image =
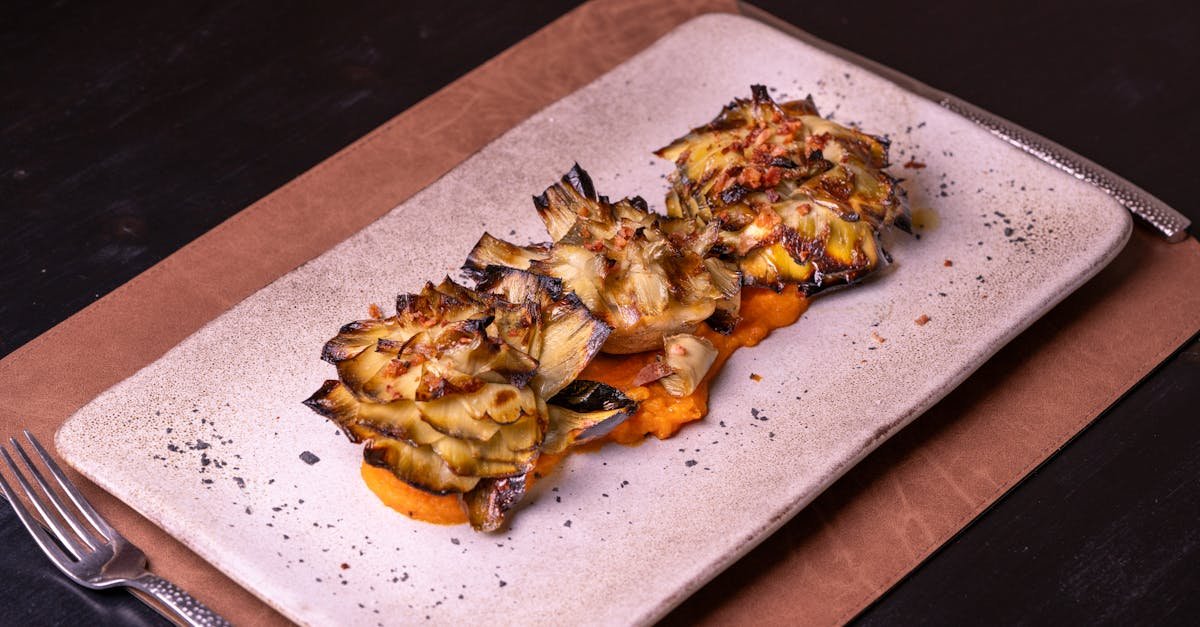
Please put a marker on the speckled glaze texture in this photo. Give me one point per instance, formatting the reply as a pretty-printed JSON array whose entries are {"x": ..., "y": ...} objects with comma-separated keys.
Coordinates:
[{"x": 212, "y": 443}]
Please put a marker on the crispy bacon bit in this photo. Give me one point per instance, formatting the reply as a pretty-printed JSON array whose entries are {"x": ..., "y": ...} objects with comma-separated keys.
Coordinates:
[
  {"x": 913, "y": 164},
  {"x": 396, "y": 367},
  {"x": 755, "y": 377},
  {"x": 750, "y": 177},
  {"x": 773, "y": 176},
  {"x": 922, "y": 320},
  {"x": 947, "y": 263},
  {"x": 816, "y": 142},
  {"x": 375, "y": 312},
  {"x": 650, "y": 373},
  {"x": 877, "y": 337}
]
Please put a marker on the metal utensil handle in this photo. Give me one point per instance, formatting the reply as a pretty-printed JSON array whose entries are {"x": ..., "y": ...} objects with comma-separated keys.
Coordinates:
[
  {"x": 1172, "y": 224},
  {"x": 179, "y": 606}
]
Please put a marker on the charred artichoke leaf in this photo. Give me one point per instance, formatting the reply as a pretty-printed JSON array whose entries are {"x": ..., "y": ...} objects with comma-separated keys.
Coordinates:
[
  {"x": 444, "y": 340},
  {"x": 361, "y": 421},
  {"x": 801, "y": 198},
  {"x": 353, "y": 339},
  {"x": 495, "y": 403},
  {"x": 418, "y": 466},
  {"x": 517, "y": 285},
  {"x": 493, "y": 251},
  {"x": 752, "y": 144},
  {"x": 421, "y": 423},
  {"x": 728, "y": 279},
  {"x": 581, "y": 271},
  {"x": 643, "y": 274},
  {"x": 773, "y": 267},
  {"x": 473, "y": 459},
  {"x": 689, "y": 357},
  {"x": 489, "y": 503},
  {"x": 439, "y": 391},
  {"x": 468, "y": 446},
  {"x": 561, "y": 205},
  {"x": 337, "y": 403},
  {"x": 584, "y": 411},
  {"x": 571, "y": 337},
  {"x": 810, "y": 244}
]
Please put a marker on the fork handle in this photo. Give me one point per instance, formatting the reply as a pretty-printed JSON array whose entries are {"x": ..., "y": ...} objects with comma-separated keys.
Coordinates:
[{"x": 176, "y": 605}]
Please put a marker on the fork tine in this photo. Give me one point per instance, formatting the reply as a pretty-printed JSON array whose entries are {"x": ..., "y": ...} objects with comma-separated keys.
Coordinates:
[
  {"x": 73, "y": 493},
  {"x": 56, "y": 555},
  {"x": 60, "y": 534},
  {"x": 72, "y": 519}
]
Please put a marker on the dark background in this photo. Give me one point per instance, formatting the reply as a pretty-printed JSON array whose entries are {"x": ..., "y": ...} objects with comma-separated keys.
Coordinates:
[{"x": 129, "y": 129}]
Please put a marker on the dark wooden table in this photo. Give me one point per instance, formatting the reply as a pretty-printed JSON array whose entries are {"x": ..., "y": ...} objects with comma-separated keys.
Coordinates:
[{"x": 127, "y": 131}]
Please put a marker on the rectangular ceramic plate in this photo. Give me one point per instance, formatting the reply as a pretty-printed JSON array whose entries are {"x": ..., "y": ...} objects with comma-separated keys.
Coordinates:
[{"x": 208, "y": 440}]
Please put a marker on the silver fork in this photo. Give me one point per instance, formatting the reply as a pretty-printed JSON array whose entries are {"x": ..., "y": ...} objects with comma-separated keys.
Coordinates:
[{"x": 97, "y": 557}]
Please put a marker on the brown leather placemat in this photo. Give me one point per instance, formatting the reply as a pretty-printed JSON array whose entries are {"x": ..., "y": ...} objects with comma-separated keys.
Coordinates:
[{"x": 859, "y": 538}]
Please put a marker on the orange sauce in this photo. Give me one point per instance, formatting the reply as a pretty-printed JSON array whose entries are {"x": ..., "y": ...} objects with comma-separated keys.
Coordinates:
[
  {"x": 659, "y": 414},
  {"x": 414, "y": 502},
  {"x": 662, "y": 415},
  {"x": 447, "y": 509}
]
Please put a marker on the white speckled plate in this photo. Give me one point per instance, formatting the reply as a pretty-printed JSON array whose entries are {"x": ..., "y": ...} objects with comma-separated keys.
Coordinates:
[{"x": 212, "y": 443}]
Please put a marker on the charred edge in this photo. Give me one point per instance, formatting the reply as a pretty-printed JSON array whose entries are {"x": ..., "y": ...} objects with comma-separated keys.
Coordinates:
[
  {"x": 356, "y": 326},
  {"x": 317, "y": 402},
  {"x": 470, "y": 267},
  {"x": 492, "y": 275},
  {"x": 473, "y": 270},
  {"x": 377, "y": 457},
  {"x": 639, "y": 203},
  {"x": 320, "y": 404},
  {"x": 734, "y": 193},
  {"x": 521, "y": 379},
  {"x": 812, "y": 103},
  {"x": 406, "y": 302},
  {"x": 578, "y": 179},
  {"x": 722, "y": 321},
  {"x": 800, "y": 248},
  {"x": 542, "y": 201},
  {"x": 333, "y": 352},
  {"x": 385, "y": 345},
  {"x": 832, "y": 283},
  {"x": 585, "y": 396},
  {"x": 903, "y": 222},
  {"x": 489, "y": 503},
  {"x": 784, "y": 162},
  {"x": 602, "y": 329},
  {"x": 475, "y": 325},
  {"x": 761, "y": 95}
]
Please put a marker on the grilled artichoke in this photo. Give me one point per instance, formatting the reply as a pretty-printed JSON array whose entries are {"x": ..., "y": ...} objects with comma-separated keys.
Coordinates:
[
  {"x": 450, "y": 394},
  {"x": 800, "y": 199},
  {"x": 644, "y": 274}
]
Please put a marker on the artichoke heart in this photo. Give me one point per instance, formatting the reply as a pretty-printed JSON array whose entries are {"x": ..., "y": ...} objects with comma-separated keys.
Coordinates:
[
  {"x": 799, "y": 198},
  {"x": 688, "y": 357},
  {"x": 644, "y": 274},
  {"x": 585, "y": 411},
  {"x": 450, "y": 393}
]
